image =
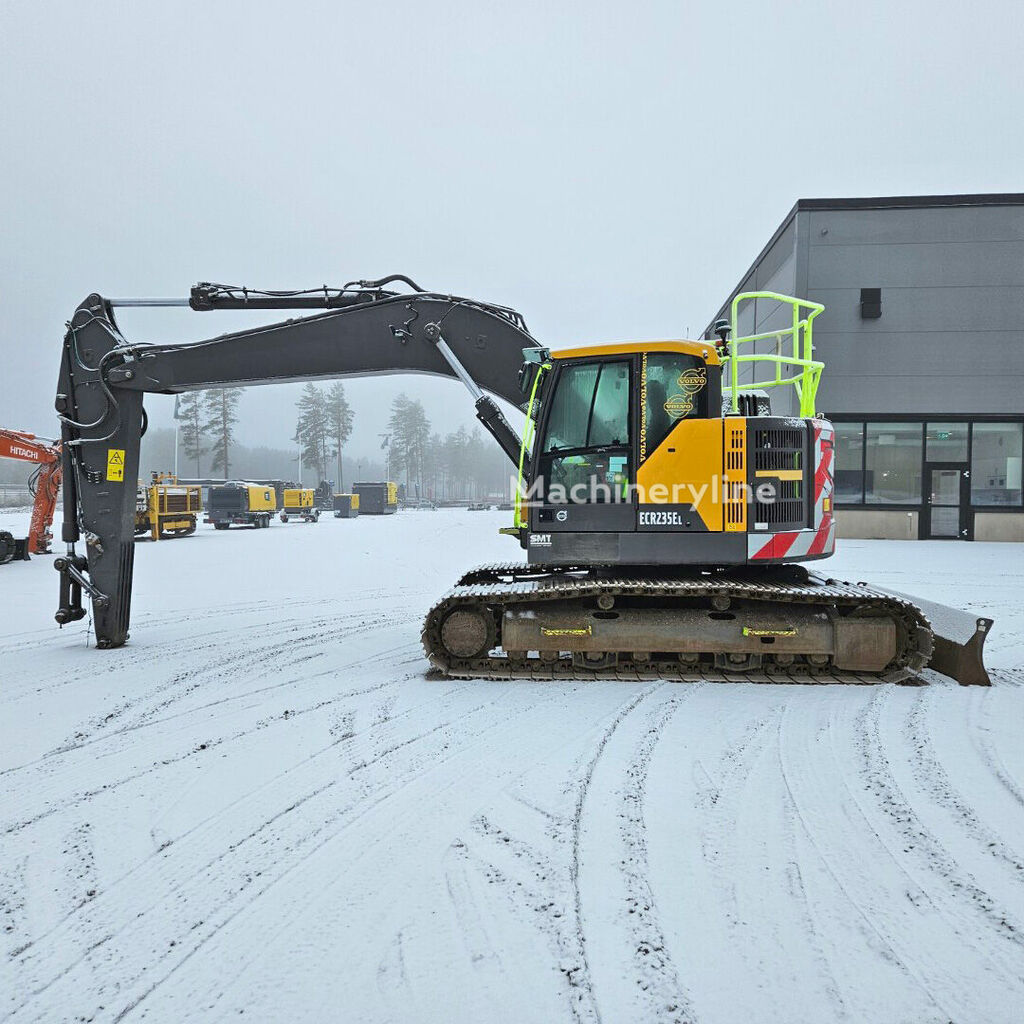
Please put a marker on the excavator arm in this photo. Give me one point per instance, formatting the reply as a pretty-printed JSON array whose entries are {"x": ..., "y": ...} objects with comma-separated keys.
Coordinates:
[{"x": 365, "y": 329}]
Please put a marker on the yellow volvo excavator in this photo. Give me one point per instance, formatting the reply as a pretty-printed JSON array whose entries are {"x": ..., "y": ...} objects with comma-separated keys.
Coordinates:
[{"x": 664, "y": 511}]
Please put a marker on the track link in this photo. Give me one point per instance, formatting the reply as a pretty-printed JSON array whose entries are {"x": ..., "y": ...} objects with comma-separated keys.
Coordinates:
[{"x": 499, "y": 586}]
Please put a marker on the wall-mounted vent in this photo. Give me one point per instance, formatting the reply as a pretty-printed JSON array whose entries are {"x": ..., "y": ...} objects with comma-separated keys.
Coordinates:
[{"x": 870, "y": 303}]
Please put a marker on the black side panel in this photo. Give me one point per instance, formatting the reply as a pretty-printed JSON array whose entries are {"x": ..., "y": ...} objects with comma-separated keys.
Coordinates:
[{"x": 637, "y": 548}]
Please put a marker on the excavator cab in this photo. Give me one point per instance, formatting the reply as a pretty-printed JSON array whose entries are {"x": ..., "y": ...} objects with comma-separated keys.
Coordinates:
[{"x": 636, "y": 458}]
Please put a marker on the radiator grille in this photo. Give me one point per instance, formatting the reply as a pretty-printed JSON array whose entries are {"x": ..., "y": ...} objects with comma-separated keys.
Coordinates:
[
  {"x": 779, "y": 455},
  {"x": 779, "y": 448},
  {"x": 734, "y": 484}
]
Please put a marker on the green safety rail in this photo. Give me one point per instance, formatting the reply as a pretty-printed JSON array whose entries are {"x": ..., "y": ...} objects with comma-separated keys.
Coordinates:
[
  {"x": 805, "y": 381},
  {"x": 529, "y": 428}
]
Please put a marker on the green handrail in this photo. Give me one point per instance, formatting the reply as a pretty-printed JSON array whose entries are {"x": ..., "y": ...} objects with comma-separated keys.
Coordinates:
[
  {"x": 529, "y": 427},
  {"x": 805, "y": 382}
]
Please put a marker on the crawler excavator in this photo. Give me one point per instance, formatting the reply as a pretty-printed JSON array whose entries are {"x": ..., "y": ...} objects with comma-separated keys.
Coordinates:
[
  {"x": 664, "y": 511},
  {"x": 44, "y": 484}
]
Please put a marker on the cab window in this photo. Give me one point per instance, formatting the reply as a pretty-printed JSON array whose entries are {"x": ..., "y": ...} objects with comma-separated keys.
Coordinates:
[
  {"x": 674, "y": 388},
  {"x": 587, "y": 438},
  {"x": 590, "y": 407}
]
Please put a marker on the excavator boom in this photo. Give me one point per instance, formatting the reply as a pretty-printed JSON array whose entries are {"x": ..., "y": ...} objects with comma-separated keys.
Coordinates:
[{"x": 365, "y": 330}]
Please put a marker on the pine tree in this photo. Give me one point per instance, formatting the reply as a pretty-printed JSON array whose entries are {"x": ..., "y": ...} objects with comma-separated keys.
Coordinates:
[
  {"x": 193, "y": 429},
  {"x": 396, "y": 426},
  {"x": 410, "y": 434},
  {"x": 221, "y": 408},
  {"x": 311, "y": 430},
  {"x": 339, "y": 423}
]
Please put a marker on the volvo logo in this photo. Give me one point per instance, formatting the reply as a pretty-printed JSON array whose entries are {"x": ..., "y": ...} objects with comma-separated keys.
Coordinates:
[{"x": 562, "y": 515}]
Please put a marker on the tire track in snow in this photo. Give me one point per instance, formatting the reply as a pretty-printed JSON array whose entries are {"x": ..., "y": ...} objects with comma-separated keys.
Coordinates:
[
  {"x": 868, "y": 923},
  {"x": 446, "y": 760},
  {"x": 137, "y": 664},
  {"x": 981, "y": 738},
  {"x": 663, "y": 995},
  {"x": 577, "y": 968},
  {"x": 216, "y": 887},
  {"x": 814, "y": 931},
  {"x": 933, "y": 779},
  {"x": 338, "y": 736},
  {"x": 927, "y": 847},
  {"x": 752, "y": 863},
  {"x": 28, "y": 785}
]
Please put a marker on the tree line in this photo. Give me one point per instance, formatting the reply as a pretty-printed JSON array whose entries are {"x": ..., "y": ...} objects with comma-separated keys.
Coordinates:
[
  {"x": 208, "y": 420},
  {"x": 461, "y": 465}
]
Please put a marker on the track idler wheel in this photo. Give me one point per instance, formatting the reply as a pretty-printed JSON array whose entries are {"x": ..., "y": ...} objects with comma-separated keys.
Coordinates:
[{"x": 468, "y": 632}]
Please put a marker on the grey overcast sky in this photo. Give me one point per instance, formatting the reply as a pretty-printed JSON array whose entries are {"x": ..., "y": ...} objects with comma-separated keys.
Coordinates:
[{"x": 610, "y": 169}]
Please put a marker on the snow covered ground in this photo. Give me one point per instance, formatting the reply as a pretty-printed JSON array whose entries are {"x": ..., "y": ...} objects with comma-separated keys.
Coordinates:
[{"x": 263, "y": 806}]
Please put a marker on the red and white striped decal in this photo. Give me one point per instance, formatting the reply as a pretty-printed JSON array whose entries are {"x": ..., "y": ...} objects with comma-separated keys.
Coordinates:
[{"x": 821, "y": 540}]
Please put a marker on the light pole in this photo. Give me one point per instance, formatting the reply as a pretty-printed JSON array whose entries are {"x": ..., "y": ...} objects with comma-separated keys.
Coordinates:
[{"x": 386, "y": 445}]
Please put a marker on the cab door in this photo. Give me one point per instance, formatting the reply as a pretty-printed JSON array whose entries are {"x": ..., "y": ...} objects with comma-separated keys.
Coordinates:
[
  {"x": 680, "y": 450},
  {"x": 586, "y": 460}
]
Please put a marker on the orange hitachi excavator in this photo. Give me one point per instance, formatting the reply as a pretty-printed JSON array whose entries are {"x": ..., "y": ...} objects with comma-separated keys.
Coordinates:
[{"x": 44, "y": 484}]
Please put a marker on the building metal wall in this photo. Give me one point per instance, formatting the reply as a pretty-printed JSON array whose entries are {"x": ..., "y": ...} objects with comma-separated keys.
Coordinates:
[
  {"x": 950, "y": 338},
  {"x": 951, "y": 334}
]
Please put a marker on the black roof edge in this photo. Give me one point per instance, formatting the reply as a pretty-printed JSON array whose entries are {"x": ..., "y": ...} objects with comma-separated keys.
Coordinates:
[
  {"x": 910, "y": 202},
  {"x": 872, "y": 203}
]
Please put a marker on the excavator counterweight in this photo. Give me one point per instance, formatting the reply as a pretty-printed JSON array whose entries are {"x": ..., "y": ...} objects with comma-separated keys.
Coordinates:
[{"x": 663, "y": 509}]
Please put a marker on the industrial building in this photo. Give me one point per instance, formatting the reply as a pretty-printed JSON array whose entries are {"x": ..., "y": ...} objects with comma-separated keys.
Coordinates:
[{"x": 923, "y": 343}]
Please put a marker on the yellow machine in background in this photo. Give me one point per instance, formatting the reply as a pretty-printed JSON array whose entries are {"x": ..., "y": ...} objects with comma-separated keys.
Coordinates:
[
  {"x": 377, "y": 499},
  {"x": 299, "y": 504},
  {"x": 346, "y": 506},
  {"x": 166, "y": 508},
  {"x": 241, "y": 504}
]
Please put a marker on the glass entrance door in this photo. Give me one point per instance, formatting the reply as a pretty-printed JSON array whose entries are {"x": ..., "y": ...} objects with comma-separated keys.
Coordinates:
[{"x": 946, "y": 489}]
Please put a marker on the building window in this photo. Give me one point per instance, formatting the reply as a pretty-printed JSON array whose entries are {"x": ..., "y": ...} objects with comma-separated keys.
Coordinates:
[
  {"x": 849, "y": 468},
  {"x": 946, "y": 442},
  {"x": 892, "y": 464},
  {"x": 996, "y": 464},
  {"x": 870, "y": 303}
]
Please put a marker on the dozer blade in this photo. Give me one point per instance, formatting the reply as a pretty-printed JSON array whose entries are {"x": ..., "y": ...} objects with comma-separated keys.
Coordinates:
[{"x": 959, "y": 641}]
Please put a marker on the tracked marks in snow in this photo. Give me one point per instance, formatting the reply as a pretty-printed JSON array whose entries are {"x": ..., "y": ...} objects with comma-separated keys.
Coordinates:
[
  {"x": 661, "y": 993},
  {"x": 870, "y": 924},
  {"x": 624, "y": 958},
  {"x": 56, "y": 774},
  {"x": 205, "y": 898},
  {"x": 577, "y": 969},
  {"x": 932, "y": 778},
  {"x": 917, "y": 839}
]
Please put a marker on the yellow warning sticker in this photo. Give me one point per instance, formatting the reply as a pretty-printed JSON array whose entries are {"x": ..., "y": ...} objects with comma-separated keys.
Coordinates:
[
  {"x": 115, "y": 465},
  {"x": 747, "y": 631},
  {"x": 585, "y": 631}
]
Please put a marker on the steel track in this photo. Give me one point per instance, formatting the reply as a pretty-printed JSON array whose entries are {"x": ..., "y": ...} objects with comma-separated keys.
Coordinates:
[{"x": 499, "y": 585}]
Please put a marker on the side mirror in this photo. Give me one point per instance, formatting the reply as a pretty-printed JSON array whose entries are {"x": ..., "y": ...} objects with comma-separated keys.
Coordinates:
[
  {"x": 527, "y": 372},
  {"x": 533, "y": 359}
]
